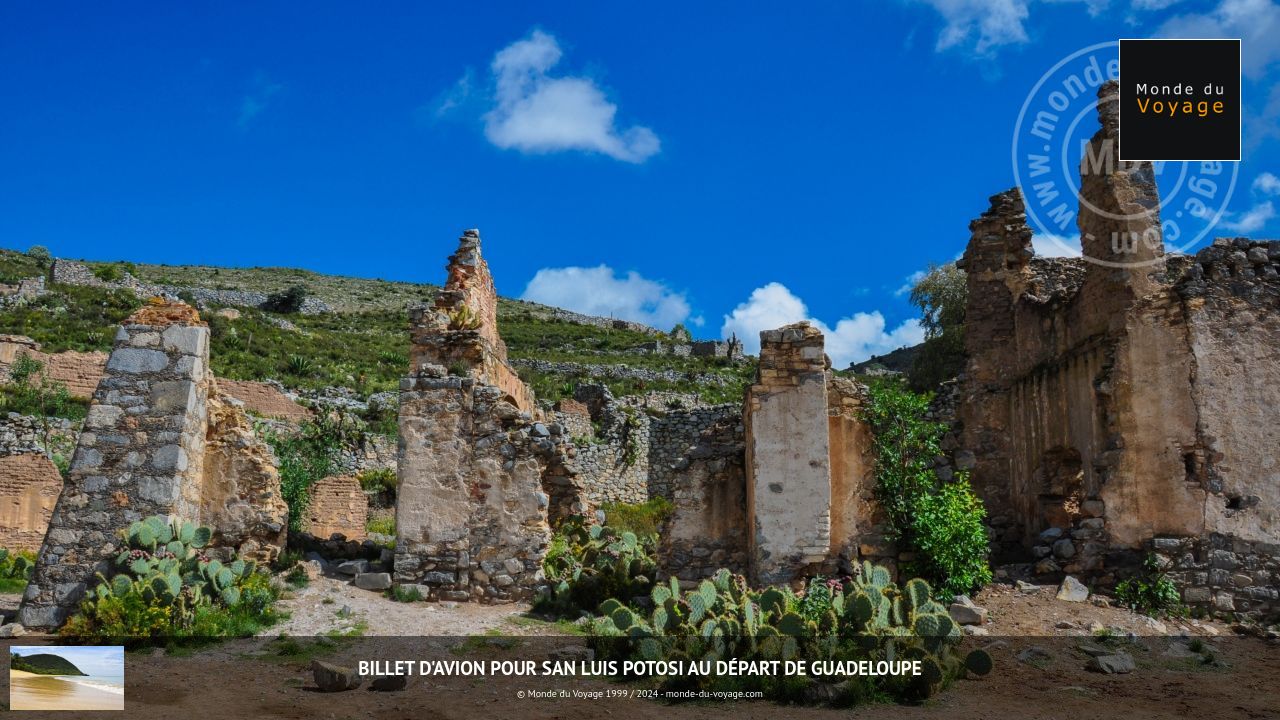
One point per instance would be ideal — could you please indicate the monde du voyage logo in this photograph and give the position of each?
(1180, 100)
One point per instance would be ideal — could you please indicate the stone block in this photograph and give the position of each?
(136, 361)
(187, 339)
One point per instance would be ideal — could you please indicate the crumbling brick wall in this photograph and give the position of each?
(79, 371)
(338, 505)
(29, 488)
(460, 332)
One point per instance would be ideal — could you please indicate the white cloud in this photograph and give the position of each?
(1252, 220)
(986, 24)
(910, 283)
(1267, 184)
(1056, 245)
(1154, 4)
(534, 112)
(600, 291)
(256, 100)
(853, 339)
(1255, 22)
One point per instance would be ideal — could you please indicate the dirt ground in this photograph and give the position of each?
(270, 678)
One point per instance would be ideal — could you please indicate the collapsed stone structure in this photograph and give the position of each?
(338, 506)
(1126, 403)
(158, 440)
(480, 476)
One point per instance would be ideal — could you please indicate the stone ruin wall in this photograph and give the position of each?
(79, 371)
(29, 488)
(611, 446)
(481, 478)
(338, 506)
(1112, 410)
(158, 440)
(706, 530)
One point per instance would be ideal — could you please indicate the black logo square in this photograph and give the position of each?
(1179, 100)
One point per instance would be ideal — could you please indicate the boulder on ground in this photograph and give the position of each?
(1072, 590)
(334, 678)
(374, 581)
(1116, 664)
(965, 612)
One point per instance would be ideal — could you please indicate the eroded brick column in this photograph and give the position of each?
(140, 454)
(788, 455)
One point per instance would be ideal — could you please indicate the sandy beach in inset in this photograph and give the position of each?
(28, 691)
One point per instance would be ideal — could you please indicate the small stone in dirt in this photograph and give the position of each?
(390, 683)
(12, 630)
(1065, 625)
(1117, 664)
(345, 611)
(1093, 650)
(964, 612)
(1096, 627)
(374, 581)
(354, 567)
(448, 604)
(1028, 588)
(1032, 655)
(1101, 602)
(975, 630)
(1072, 590)
(334, 678)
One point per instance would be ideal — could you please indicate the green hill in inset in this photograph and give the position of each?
(44, 664)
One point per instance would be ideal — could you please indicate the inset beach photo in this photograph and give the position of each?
(43, 677)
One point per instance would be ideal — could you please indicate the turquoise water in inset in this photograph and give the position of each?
(110, 683)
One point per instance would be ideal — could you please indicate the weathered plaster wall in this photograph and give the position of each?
(787, 455)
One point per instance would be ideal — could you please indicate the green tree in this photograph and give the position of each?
(287, 301)
(41, 255)
(941, 296)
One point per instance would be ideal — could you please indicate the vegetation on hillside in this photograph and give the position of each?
(43, 664)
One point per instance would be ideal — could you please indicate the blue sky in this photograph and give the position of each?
(108, 660)
(728, 165)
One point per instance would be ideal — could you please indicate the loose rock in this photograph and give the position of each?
(1072, 590)
(334, 678)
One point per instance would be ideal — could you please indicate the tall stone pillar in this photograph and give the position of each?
(140, 454)
(788, 457)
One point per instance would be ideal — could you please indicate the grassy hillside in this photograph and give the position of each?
(364, 345)
(44, 664)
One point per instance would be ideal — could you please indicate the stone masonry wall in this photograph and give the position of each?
(472, 510)
(787, 455)
(140, 454)
(706, 530)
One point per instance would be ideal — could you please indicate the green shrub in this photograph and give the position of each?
(644, 519)
(287, 301)
(382, 525)
(309, 455)
(30, 391)
(400, 593)
(941, 522)
(378, 480)
(15, 569)
(1150, 591)
(165, 585)
(41, 255)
